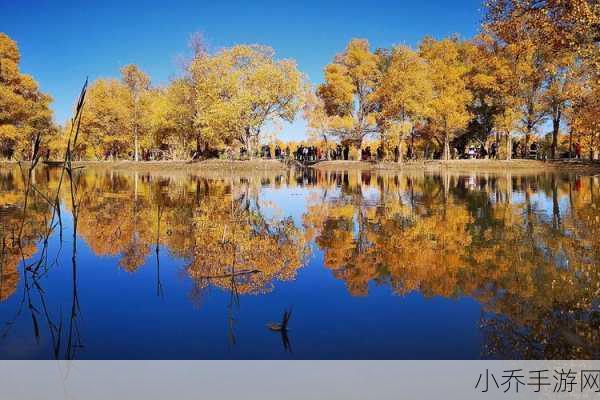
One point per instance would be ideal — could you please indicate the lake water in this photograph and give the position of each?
(390, 266)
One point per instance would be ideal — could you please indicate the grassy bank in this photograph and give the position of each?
(208, 165)
(183, 166)
(583, 166)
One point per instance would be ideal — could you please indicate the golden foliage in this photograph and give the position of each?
(348, 93)
(241, 89)
(24, 109)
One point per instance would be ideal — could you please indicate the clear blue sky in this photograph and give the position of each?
(62, 42)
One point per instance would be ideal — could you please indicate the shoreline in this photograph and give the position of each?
(582, 166)
(179, 166)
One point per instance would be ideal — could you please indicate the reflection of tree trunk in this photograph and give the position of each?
(508, 187)
(362, 230)
(529, 213)
(571, 205)
(446, 178)
(555, 206)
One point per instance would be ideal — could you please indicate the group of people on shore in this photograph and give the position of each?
(522, 150)
(313, 153)
(305, 153)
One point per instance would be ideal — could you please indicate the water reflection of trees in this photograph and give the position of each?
(215, 225)
(527, 248)
(12, 250)
(30, 215)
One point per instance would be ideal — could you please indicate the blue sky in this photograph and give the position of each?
(62, 42)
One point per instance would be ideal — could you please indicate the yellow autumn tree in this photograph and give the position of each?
(563, 25)
(317, 121)
(489, 82)
(562, 87)
(24, 109)
(449, 106)
(405, 94)
(348, 93)
(584, 118)
(106, 128)
(554, 37)
(138, 84)
(241, 89)
(181, 115)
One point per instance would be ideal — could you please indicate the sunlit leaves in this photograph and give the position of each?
(348, 93)
(24, 109)
(241, 89)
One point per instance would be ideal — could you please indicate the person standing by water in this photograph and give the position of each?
(482, 152)
(494, 150)
(515, 149)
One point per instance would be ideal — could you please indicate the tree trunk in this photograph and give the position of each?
(508, 147)
(570, 142)
(555, 130)
(135, 135)
(399, 161)
(249, 144)
(135, 185)
(412, 144)
(446, 147)
(528, 133)
(497, 155)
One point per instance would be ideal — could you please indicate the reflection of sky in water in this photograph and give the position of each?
(541, 203)
(287, 202)
(122, 315)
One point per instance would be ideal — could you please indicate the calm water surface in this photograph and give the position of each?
(406, 266)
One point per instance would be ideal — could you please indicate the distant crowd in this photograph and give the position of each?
(314, 153)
